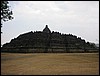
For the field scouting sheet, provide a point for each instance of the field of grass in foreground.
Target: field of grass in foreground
(50, 64)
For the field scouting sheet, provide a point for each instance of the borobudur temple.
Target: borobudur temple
(47, 42)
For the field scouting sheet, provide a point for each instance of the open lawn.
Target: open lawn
(50, 64)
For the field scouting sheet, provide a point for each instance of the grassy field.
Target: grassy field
(50, 64)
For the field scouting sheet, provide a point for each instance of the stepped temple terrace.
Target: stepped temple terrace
(48, 42)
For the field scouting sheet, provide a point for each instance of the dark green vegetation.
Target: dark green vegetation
(50, 64)
(47, 41)
(6, 13)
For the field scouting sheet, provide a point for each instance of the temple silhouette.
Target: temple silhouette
(46, 41)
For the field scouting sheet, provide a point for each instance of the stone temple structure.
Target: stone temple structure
(46, 41)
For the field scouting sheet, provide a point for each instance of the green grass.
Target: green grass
(50, 64)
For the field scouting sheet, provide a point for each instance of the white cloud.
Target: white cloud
(77, 17)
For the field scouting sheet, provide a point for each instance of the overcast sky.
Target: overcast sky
(80, 18)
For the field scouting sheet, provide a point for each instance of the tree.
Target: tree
(6, 13)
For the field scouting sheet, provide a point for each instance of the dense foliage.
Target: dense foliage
(6, 13)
